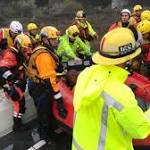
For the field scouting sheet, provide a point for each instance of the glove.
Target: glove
(12, 92)
(77, 60)
(20, 84)
(61, 109)
(10, 77)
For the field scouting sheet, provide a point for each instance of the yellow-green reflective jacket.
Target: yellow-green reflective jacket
(107, 116)
(68, 51)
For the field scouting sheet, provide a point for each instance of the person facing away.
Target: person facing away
(107, 116)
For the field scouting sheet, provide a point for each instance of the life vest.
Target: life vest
(32, 71)
(5, 35)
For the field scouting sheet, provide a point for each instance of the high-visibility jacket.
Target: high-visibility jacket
(86, 30)
(42, 65)
(5, 38)
(68, 50)
(107, 116)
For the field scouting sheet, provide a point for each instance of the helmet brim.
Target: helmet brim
(99, 59)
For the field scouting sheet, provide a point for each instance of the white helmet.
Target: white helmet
(126, 11)
(16, 27)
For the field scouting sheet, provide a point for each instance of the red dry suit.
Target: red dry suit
(12, 80)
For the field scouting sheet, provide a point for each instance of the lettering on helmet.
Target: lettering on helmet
(125, 49)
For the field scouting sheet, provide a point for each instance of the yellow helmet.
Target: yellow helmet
(137, 7)
(50, 32)
(114, 50)
(32, 26)
(72, 31)
(145, 15)
(144, 26)
(23, 40)
(80, 14)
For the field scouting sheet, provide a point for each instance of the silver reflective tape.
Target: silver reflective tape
(10, 147)
(108, 101)
(58, 95)
(37, 145)
(6, 74)
(76, 145)
(103, 127)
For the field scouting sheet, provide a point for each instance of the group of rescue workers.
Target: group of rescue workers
(104, 119)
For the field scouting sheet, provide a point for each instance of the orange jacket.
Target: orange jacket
(46, 67)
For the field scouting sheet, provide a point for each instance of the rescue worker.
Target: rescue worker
(107, 116)
(145, 15)
(144, 28)
(125, 16)
(136, 15)
(71, 47)
(33, 33)
(12, 79)
(43, 87)
(7, 35)
(87, 33)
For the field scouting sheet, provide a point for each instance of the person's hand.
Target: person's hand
(62, 110)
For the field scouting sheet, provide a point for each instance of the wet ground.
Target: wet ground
(24, 140)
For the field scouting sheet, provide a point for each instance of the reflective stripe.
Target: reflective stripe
(38, 145)
(76, 145)
(102, 136)
(6, 74)
(58, 95)
(108, 101)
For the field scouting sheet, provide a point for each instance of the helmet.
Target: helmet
(137, 7)
(144, 26)
(80, 14)
(114, 50)
(16, 27)
(32, 26)
(126, 11)
(23, 40)
(145, 15)
(49, 32)
(72, 31)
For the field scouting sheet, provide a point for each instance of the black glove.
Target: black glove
(12, 92)
(61, 109)
(21, 84)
